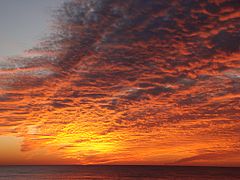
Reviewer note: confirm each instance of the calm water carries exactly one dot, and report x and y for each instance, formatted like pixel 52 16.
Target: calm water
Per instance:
pixel 116 172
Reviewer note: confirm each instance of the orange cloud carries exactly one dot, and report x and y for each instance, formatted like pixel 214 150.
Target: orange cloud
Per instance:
pixel 138 82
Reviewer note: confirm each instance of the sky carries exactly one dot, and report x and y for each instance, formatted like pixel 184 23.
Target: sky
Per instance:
pixel 23 24
pixel 125 82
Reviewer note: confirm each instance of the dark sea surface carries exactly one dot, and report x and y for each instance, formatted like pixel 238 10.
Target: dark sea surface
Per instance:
pixel 117 172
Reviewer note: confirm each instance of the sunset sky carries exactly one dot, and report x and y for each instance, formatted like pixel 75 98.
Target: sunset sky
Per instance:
pixel 153 82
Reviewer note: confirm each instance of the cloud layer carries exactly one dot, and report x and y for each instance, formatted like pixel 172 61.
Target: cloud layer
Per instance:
pixel 147 82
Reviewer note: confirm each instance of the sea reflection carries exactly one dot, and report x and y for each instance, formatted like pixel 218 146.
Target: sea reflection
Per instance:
pixel 116 172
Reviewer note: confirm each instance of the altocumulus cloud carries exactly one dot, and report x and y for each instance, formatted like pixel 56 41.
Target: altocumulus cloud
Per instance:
pixel 121 81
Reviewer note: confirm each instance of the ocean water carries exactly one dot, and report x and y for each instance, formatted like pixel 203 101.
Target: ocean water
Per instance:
pixel 117 172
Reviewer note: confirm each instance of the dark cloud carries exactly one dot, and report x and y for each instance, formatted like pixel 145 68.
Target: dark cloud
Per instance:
pixel 227 42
